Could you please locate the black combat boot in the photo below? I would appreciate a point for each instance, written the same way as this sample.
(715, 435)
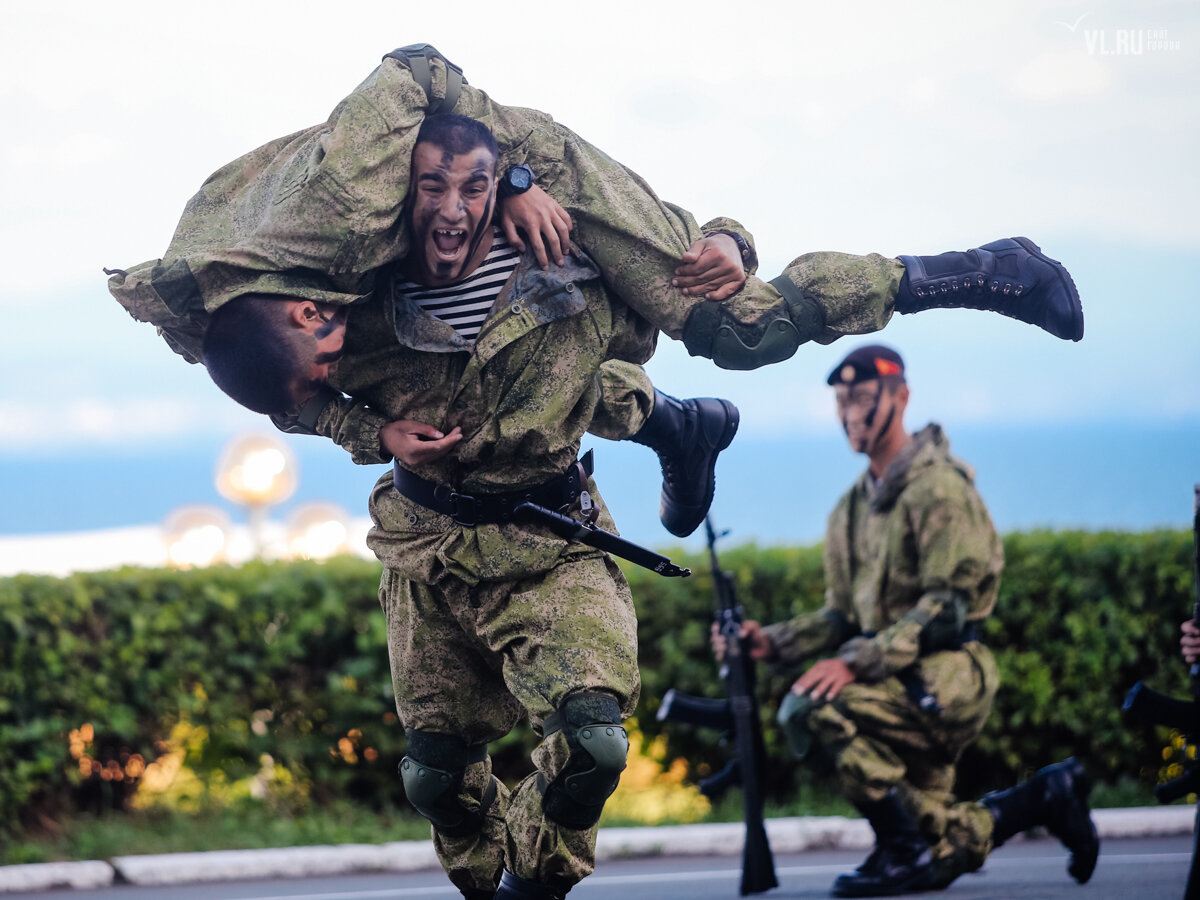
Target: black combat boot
(1010, 276)
(514, 888)
(1056, 797)
(901, 861)
(687, 435)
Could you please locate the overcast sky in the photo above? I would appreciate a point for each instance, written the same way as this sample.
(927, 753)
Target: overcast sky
(857, 126)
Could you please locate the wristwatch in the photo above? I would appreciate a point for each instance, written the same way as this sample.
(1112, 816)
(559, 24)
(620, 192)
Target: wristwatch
(515, 180)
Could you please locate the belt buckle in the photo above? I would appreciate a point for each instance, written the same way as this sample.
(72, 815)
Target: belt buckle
(464, 509)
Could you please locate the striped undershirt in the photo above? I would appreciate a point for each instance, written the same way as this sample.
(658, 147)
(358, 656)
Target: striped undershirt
(465, 306)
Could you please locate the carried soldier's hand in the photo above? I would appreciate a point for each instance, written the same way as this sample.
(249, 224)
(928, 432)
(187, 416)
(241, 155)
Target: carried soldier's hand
(544, 222)
(711, 268)
(414, 443)
(1190, 642)
(824, 680)
(760, 645)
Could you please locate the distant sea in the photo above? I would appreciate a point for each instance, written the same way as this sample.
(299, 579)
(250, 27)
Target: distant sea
(1102, 476)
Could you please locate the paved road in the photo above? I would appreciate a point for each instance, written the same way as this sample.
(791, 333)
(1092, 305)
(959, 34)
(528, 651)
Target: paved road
(1029, 870)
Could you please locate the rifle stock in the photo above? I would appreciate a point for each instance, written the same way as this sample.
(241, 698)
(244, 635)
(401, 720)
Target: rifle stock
(737, 715)
(699, 712)
(1149, 707)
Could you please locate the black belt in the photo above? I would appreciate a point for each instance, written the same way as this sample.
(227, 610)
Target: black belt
(490, 509)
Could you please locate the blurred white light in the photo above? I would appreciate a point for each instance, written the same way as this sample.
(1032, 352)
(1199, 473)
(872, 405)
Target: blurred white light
(256, 470)
(196, 536)
(318, 531)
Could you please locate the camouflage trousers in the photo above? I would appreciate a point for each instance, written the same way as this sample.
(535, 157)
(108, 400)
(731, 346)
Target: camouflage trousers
(878, 738)
(471, 659)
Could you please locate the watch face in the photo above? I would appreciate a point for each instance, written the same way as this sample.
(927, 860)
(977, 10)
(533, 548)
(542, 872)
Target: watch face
(520, 178)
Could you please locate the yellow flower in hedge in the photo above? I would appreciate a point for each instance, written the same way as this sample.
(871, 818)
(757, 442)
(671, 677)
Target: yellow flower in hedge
(651, 792)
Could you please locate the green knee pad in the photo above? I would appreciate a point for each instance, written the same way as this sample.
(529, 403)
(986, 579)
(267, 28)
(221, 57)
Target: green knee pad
(432, 774)
(793, 720)
(711, 331)
(598, 746)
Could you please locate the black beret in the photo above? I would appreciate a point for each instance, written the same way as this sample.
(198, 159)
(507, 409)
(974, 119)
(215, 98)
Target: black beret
(865, 364)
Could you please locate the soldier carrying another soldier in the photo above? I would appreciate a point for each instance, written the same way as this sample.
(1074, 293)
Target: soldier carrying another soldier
(491, 618)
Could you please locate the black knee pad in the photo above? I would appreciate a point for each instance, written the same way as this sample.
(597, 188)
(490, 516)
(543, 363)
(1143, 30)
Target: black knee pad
(598, 745)
(433, 772)
(711, 331)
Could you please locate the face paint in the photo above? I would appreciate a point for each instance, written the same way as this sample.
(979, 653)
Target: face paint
(452, 204)
(858, 409)
(329, 340)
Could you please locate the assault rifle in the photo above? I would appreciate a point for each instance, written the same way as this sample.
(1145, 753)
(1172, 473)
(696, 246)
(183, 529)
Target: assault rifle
(1147, 706)
(738, 714)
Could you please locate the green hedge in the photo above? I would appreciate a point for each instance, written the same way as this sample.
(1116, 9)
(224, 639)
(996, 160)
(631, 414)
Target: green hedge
(1081, 617)
(289, 660)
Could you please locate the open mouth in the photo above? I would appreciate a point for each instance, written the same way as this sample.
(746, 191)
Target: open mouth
(448, 242)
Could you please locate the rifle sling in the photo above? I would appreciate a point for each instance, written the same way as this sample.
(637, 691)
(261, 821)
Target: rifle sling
(566, 527)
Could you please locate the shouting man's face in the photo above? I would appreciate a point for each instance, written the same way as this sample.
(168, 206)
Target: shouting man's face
(452, 203)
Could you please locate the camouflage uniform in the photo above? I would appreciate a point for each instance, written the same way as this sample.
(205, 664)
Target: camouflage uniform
(489, 623)
(895, 555)
(317, 213)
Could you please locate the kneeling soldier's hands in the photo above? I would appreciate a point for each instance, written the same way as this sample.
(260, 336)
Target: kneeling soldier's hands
(760, 645)
(824, 679)
(1190, 642)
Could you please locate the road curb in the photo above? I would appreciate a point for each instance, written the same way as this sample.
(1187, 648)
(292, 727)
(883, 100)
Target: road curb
(790, 835)
(283, 862)
(49, 876)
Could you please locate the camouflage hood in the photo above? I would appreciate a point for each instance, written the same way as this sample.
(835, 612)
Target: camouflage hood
(928, 447)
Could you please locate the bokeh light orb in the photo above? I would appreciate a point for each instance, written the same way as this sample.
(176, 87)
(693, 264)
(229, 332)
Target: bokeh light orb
(256, 469)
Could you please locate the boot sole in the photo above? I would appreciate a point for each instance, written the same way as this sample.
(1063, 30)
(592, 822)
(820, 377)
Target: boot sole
(921, 882)
(1075, 333)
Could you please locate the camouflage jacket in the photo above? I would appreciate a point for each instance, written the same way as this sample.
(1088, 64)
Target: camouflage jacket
(319, 213)
(907, 563)
(524, 393)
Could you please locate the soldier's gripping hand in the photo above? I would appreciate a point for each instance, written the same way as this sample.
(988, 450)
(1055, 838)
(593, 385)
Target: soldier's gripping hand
(546, 224)
(712, 268)
(414, 443)
(759, 643)
(1190, 642)
(824, 679)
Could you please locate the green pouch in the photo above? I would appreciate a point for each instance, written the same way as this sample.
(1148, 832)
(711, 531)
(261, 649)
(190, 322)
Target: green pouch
(793, 719)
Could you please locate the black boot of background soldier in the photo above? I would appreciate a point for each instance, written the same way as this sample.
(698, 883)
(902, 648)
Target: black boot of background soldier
(1010, 276)
(1056, 797)
(514, 888)
(901, 861)
(687, 435)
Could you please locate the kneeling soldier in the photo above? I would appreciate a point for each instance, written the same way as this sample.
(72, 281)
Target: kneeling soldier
(912, 568)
